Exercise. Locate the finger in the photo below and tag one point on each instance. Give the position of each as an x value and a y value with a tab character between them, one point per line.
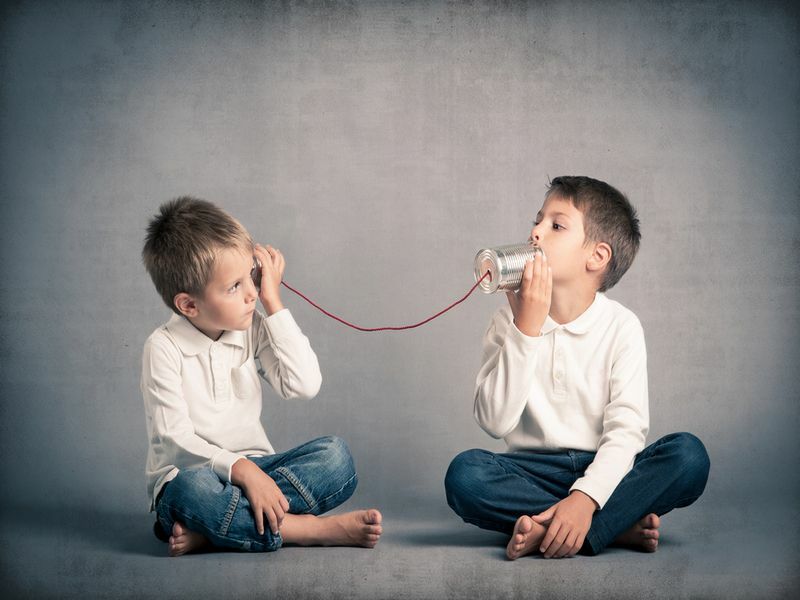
537	271
273	520
568	545
549	537
261	254
279	514
542	280
281	266
284	504
527	277
545	516
557	543
259	516
548	290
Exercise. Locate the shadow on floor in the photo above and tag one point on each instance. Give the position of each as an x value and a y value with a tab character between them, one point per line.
103	529
439	535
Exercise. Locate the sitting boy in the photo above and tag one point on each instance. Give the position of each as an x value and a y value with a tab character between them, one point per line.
214	479
564	381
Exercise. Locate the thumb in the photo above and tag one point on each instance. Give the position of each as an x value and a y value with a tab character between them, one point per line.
544	517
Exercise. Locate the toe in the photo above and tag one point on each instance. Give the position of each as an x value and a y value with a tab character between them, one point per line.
650	521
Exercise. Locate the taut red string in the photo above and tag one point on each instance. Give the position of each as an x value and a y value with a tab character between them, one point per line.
399	328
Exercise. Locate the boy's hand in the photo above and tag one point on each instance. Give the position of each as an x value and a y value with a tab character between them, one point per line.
567	522
264	495
272	266
531	303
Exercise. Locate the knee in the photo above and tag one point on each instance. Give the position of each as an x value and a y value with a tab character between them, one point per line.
190	490
196	482
463	478
337	458
692	455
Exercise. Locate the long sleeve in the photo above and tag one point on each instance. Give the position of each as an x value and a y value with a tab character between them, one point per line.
625	418
287	360
503	384
173	440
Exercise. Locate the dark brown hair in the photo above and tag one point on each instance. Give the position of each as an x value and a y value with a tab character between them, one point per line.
608	217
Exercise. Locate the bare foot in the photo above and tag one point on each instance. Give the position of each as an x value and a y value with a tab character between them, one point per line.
356	528
643	535
526	538
183	541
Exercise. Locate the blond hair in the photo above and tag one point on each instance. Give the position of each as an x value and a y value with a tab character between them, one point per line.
183	242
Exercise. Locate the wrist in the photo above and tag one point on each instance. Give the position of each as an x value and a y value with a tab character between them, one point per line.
527	328
241	472
272	304
585	499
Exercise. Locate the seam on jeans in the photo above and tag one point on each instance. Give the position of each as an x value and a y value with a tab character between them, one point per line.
226	520
301	489
339	491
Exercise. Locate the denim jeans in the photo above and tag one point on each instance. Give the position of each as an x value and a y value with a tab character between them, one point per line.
315	477
493	490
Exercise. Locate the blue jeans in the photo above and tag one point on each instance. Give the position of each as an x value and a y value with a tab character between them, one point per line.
493	490
315	477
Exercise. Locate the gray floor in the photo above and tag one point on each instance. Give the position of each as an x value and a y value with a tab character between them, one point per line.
728	553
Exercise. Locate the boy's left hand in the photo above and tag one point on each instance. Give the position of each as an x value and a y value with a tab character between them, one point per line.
567	523
272	267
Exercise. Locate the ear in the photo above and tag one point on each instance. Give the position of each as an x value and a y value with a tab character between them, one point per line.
186	305
599	258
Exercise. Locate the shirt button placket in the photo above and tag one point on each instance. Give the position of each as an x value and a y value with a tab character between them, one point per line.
558	364
218	369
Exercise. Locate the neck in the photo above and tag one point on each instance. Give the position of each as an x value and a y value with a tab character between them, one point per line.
568	304
214	334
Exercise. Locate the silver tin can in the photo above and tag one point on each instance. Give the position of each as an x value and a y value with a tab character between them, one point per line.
505	265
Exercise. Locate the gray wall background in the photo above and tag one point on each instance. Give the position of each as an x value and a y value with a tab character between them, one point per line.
380	145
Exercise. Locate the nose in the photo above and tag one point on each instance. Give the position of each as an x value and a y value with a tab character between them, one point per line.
534	237
251	291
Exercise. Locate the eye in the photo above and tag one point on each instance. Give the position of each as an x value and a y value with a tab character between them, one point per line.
234	287
557	226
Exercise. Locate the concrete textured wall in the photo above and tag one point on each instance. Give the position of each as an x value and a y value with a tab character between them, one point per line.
380	145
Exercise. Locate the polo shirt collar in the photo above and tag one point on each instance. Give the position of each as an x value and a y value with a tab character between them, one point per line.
192	341
585	321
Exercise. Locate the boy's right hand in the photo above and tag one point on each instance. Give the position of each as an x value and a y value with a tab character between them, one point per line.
264	495
531	303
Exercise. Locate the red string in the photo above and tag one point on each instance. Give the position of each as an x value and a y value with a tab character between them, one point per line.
400	328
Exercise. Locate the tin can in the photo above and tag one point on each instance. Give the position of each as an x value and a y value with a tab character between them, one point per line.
255	273
505	265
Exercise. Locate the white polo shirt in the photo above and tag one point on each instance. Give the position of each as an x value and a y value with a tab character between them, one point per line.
580	386
202	398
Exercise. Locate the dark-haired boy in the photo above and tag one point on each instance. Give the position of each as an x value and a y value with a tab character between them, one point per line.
564	381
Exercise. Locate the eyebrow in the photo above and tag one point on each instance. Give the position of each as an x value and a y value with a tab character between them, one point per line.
557	214
230	282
